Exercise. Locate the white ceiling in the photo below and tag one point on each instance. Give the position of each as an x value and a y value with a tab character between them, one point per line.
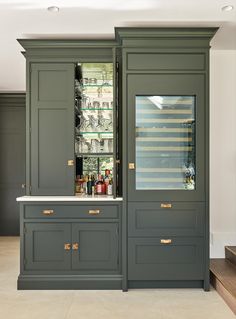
97	19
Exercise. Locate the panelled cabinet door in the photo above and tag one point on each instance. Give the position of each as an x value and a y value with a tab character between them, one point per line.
95	246
52	129
47	246
166	130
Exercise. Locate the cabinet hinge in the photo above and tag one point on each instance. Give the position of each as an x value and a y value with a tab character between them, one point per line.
30	130
30	189
25	230
25	261
117	66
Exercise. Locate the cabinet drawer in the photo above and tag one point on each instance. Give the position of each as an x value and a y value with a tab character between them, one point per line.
51	211
152	219
149	259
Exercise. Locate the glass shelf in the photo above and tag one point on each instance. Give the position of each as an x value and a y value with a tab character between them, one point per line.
100	154
84	133
91	109
97	85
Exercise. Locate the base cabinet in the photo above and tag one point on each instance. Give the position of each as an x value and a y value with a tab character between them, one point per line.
70	253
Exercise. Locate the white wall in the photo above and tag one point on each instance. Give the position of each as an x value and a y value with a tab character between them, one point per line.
222	150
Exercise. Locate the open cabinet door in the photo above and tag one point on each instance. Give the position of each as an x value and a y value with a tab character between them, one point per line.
52	129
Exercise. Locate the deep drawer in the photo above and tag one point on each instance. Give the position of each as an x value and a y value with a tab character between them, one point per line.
151	219
51	211
149	259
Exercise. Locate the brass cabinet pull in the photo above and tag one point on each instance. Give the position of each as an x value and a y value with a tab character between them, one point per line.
48	212
131	166
67	246
166	241
94	211
70	162
166	205
75	246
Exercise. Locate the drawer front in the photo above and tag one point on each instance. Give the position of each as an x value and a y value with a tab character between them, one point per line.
149	259
166	219
52	211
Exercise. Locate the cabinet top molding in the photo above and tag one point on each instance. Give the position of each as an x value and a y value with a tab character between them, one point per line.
126	37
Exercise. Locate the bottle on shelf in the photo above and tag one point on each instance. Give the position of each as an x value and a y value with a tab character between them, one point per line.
100	186
89	185
109	189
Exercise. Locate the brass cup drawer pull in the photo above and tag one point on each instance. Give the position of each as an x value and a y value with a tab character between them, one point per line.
94	212
67	246
75	246
48	212
166	205
166	241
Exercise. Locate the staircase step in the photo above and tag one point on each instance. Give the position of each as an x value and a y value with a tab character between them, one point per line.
230	254
223	279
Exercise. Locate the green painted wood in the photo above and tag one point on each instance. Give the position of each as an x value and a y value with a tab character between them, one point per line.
80	210
149	219
12	160
98	246
68	282
44	246
52	131
150	61
148	259
145	284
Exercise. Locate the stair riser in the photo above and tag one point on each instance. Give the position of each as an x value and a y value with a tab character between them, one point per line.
224	293
230	255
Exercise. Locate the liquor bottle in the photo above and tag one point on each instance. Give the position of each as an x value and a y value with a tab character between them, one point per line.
99	185
103	186
77	184
89	185
109	189
106	179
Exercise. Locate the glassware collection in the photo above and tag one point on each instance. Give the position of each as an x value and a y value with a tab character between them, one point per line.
93	125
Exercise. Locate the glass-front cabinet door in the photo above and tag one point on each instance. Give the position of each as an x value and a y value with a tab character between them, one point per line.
164	163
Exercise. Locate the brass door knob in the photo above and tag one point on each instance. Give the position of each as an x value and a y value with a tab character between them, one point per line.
70	162
131	166
67	246
75	246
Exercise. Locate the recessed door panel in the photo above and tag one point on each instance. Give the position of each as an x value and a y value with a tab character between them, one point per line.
95	246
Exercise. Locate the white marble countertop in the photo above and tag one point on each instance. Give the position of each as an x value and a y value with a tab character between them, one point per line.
87	198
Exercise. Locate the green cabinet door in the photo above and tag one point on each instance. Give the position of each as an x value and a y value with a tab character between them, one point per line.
97	246
166	137
44	246
52	128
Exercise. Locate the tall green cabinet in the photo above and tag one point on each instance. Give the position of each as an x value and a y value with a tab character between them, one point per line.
154	231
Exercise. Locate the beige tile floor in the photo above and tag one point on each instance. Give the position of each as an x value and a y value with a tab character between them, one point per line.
138	304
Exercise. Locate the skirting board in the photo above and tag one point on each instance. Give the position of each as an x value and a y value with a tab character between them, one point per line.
30	282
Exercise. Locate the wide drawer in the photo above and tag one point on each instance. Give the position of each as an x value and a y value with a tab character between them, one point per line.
51	211
166	219
150	259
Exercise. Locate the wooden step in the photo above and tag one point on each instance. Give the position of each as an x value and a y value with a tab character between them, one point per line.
223	279
230	254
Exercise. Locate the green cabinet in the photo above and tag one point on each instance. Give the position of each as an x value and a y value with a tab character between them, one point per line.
70	245
44	246
97	246
152	85
51	128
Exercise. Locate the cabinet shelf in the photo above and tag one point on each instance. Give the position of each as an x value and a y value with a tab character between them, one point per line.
164	139
164	148
84	133
94	154
93	109
163	130
97	85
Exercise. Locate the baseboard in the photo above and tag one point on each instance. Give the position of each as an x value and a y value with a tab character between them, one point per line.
68	282
165	284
